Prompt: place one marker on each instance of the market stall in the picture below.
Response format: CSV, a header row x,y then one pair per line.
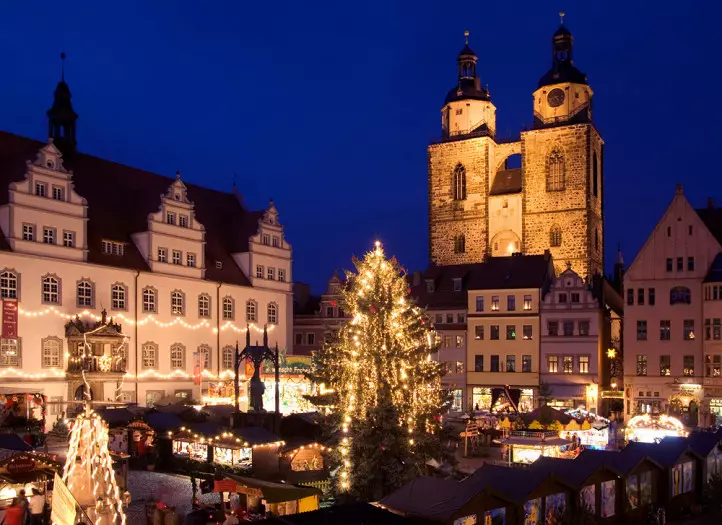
x,y
525,447
25,471
304,462
593,431
653,428
255,498
23,413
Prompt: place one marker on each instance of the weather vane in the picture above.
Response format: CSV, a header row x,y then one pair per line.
x,y
562,14
466,36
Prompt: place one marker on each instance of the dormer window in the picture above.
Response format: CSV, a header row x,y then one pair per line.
x,y
271,220
177,196
265,239
113,248
170,218
58,193
41,189
457,284
430,285
183,221
50,164
275,242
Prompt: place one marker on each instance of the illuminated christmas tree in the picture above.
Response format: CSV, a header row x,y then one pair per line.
x,y
381,385
89,473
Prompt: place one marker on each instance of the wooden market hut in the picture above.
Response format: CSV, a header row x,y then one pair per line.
x,y
21,468
492,494
279,499
708,446
304,462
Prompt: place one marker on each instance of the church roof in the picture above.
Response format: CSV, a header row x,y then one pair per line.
x,y
506,181
120,198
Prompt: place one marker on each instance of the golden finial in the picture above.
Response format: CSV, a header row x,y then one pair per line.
x,y
562,14
466,36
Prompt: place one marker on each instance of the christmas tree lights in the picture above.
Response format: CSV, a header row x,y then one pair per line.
x,y
384,389
89,473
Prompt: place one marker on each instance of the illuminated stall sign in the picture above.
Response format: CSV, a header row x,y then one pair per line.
x,y
186,449
236,457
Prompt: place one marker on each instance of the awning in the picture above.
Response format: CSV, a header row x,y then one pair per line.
x,y
274,492
536,442
568,391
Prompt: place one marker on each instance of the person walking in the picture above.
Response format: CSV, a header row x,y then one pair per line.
x,y
24,503
15,513
37,507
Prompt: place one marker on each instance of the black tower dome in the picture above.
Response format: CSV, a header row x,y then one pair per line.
x,y
469,84
563,69
62,117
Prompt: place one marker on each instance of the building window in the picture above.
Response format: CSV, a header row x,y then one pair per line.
x,y
713,365
310,338
527,332
553,328
51,352
716,329
8,285
690,264
28,232
460,318
85,294
183,221
479,333
49,235
439,319
669,264
510,332
665,330
162,255
58,193
170,217
272,313
584,328
651,297
69,239
641,330
630,296
204,305
478,363
459,244
149,300
494,363
191,260
511,303
511,363
281,275
251,311
41,189
204,357
568,364
457,284
259,271
583,364
664,365
688,329
299,339
494,303
595,175
177,357
51,289
680,264
429,285
228,358
527,302
479,303
575,298
10,353
271,273
177,257
275,241
459,341
641,365
688,365
640,297
494,332
568,327
556,180
265,239
526,363
177,303
552,364
555,236
228,309
459,189
447,341
149,356
118,292
680,295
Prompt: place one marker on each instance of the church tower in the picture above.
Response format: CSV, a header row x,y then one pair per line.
x,y
563,167
62,117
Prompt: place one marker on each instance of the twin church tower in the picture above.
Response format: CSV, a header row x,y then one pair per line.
x,y
479,206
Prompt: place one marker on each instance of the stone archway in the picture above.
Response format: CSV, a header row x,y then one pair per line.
x,y
81,393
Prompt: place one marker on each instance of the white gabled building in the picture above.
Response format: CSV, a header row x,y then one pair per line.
x,y
181,270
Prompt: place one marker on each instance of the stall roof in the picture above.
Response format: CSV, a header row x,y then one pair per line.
x,y
256,435
13,442
664,453
276,492
162,421
352,514
701,443
116,417
574,472
535,442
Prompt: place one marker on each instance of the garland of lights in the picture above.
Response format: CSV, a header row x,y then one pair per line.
x,y
94,473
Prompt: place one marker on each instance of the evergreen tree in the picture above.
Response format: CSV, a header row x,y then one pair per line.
x,y
380,384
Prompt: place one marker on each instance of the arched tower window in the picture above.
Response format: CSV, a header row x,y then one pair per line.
x,y
556,177
459,182
595,175
460,244
555,236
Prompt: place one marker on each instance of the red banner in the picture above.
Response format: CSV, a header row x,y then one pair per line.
x,y
10,320
224,485
197,374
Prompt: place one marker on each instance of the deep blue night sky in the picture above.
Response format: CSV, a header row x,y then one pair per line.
x,y
327,107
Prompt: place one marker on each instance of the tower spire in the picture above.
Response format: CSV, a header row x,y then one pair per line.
x,y
62,66
466,37
562,14
61,116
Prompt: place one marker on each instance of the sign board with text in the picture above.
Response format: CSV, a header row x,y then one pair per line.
x,y
10,320
63,508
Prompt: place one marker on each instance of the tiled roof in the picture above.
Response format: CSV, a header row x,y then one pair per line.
x,y
712,218
506,181
120,198
701,443
666,453
714,274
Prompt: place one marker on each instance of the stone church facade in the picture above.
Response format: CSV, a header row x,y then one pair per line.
x,y
479,206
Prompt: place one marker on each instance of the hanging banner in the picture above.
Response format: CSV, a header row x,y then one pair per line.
x,y
63,509
10,320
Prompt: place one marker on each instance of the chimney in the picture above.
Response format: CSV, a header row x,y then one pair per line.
x,y
710,203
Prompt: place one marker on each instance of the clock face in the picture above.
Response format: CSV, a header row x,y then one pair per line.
x,y
555,98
